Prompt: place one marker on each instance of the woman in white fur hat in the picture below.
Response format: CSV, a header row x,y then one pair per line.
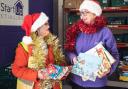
x,y
36,54
85,34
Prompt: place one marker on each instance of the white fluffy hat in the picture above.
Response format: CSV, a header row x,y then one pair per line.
x,y
31,23
91,6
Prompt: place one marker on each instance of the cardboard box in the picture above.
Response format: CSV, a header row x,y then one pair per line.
x,y
104,3
127,20
70,3
119,3
73,18
117,20
78,3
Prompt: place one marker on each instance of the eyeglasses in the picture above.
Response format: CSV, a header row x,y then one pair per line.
x,y
46,23
84,13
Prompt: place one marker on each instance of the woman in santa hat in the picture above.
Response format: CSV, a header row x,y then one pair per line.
x,y
85,34
36,54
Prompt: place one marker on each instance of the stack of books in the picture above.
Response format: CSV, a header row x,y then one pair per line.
x,y
94,63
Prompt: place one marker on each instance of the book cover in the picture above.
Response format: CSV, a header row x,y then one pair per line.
x,y
97,63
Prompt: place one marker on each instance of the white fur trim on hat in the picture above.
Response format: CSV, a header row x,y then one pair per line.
x,y
91,6
39,22
27,40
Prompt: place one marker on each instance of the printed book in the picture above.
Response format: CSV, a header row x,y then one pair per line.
x,y
97,63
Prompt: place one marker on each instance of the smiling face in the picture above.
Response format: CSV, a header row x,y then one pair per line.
x,y
87,17
44,30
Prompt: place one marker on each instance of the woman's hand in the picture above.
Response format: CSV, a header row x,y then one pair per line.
x,y
74,60
43,74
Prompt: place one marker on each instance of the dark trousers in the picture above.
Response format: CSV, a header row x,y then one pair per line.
x,y
75,86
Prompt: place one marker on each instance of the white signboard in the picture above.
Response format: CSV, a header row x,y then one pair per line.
x,y
12,12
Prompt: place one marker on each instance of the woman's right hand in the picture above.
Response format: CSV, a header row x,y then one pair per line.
x,y
74,60
42,74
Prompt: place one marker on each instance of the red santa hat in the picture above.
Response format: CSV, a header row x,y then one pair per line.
x,y
92,6
31,23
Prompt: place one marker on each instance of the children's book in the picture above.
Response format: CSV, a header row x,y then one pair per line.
x,y
97,63
58,72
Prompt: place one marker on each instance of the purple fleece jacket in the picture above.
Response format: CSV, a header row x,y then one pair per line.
x,y
86,41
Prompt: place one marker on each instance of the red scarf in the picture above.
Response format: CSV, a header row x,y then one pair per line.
x,y
80,26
